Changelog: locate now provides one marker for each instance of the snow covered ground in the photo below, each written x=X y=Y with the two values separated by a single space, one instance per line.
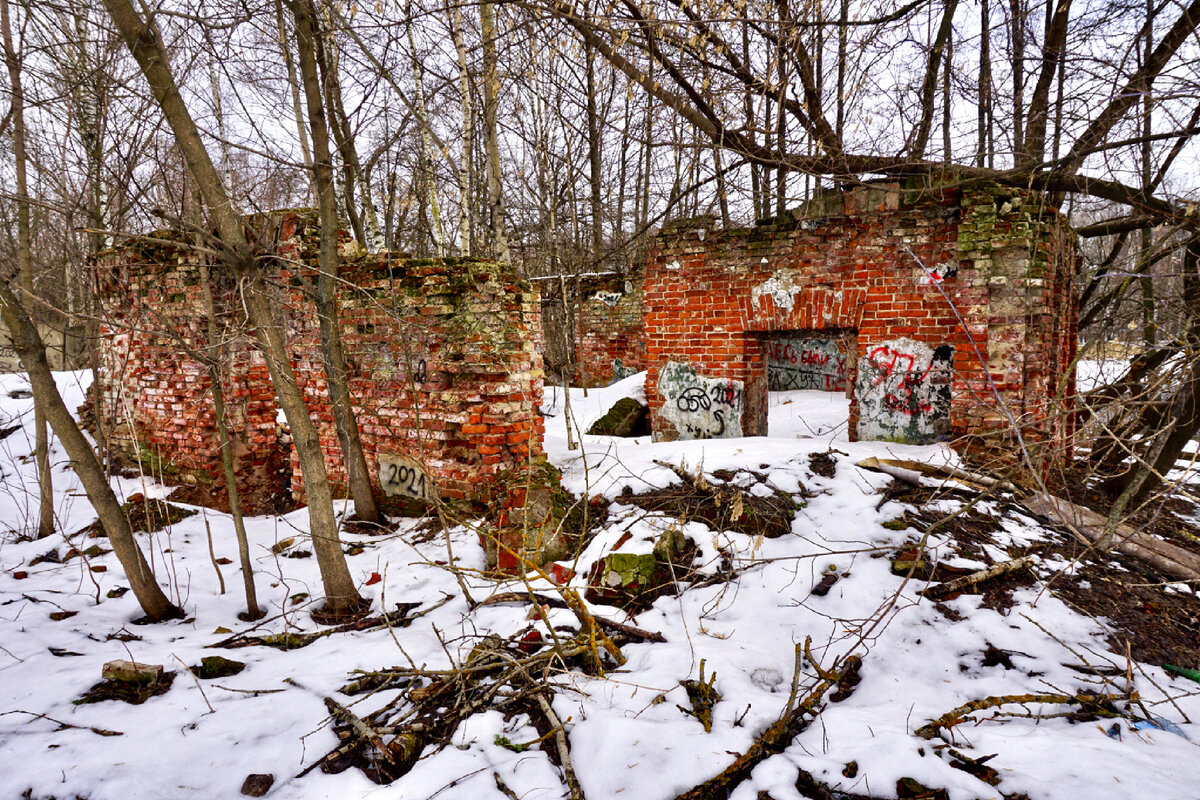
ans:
x=203 y=737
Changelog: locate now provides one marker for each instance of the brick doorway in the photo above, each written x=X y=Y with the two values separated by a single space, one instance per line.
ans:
x=804 y=360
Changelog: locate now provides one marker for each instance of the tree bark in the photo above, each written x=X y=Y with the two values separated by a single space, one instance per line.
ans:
x=231 y=490
x=32 y=352
x=465 y=217
x=491 y=136
x=41 y=448
x=919 y=138
x=332 y=353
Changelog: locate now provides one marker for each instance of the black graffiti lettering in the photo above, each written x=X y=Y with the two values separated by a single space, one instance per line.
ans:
x=692 y=399
x=728 y=395
x=408 y=480
x=421 y=373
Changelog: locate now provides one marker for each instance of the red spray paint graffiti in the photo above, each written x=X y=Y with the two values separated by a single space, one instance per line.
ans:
x=885 y=359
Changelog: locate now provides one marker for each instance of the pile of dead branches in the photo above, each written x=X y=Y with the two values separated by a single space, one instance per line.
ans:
x=514 y=675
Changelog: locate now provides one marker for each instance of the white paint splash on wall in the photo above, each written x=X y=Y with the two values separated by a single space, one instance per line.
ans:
x=780 y=287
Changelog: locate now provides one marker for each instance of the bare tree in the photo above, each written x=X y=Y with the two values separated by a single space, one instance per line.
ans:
x=25 y=268
x=145 y=44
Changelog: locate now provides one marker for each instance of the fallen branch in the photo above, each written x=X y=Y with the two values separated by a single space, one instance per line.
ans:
x=1088 y=527
x=62 y=726
x=364 y=732
x=960 y=715
x=553 y=602
x=774 y=739
x=946 y=475
x=976 y=578
x=293 y=641
x=560 y=744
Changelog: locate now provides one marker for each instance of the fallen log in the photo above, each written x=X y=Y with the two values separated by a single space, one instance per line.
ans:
x=1088 y=526
x=967 y=581
x=1085 y=524
x=945 y=475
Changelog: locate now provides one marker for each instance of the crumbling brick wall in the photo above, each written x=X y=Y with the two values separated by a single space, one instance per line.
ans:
x=610 y=340
x=940 y=297
x=443 y=361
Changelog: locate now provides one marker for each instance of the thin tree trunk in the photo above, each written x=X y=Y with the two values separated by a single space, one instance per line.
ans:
x=920 y=135
x=947 y=156
x=1149 y=329
x=25 y=269
x=91 y=94
x=32 y=352
x=333 y=356
x=843 y=32
x=294 y=86
x=428 y=185
x=983 y=151
x=231 y=491
x=468 y=122
x=648 y=156
x=1038 y=116
x=595 y=145
x=1017 y=11
x=491 y=135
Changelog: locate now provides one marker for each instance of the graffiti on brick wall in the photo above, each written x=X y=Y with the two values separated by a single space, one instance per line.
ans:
x=903 y=391
x=700 y=407
x=806 y=364
x=404 y=476
x=608 y=298
x=620 y=371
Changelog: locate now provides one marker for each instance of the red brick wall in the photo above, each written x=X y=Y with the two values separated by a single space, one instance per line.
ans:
x=443 y=360
x=843 y=266
x=608 y=330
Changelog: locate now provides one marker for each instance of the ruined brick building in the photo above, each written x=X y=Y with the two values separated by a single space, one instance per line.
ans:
x=443 y=358
x=940 y=314
x=936 y=312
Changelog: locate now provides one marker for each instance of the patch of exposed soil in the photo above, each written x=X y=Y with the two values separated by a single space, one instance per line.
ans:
x=823 y=464
x=132 y=692
x=145 y=515
x=724 y=506
x=1161 y=625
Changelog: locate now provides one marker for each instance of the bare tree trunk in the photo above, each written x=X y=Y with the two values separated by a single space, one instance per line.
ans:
x=468 y=123
x=919 y=137
x=294 y=86
x=25 y=269
x=148 y=50
x=32 y=352
x=843 y=32
x=491 y=135
x=1149 y=328
x=428 y=185
x=947 y=144
x=358 y=475
x=1017 y=10
x=226 y=161
x=595 y=145
x=90 y=94
x=231 y=490
x=983 y=153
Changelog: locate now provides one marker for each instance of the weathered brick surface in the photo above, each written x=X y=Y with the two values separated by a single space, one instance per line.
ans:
x=610 y=339
x=842 y=267
x=443 y=360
